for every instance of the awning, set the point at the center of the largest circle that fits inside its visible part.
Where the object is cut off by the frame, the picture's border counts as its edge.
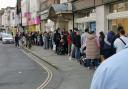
(43, 14)
(118, 15)
(86, 19)
(59, 8)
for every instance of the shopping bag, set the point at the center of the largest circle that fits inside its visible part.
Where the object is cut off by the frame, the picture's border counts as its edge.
(54, 47)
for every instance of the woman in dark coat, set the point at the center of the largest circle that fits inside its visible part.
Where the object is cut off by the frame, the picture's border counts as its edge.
(77, 45)
(101, 40)
(109, 50)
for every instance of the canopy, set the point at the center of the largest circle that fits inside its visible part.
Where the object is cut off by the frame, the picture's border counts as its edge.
(58, 9)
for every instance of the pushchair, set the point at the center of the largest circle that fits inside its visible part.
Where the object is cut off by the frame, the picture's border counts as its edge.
(83, 57)
(61, 50)
(88, 62)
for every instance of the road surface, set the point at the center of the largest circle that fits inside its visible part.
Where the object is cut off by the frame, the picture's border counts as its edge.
(18, 71)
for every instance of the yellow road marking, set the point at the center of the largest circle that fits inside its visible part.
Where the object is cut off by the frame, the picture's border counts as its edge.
(50, 74)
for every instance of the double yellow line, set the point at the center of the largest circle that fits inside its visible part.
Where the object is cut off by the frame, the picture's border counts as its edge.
(50, 74)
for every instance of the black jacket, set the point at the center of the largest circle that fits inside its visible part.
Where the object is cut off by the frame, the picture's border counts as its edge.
(17, 38)
(78, 41)
(57, 38)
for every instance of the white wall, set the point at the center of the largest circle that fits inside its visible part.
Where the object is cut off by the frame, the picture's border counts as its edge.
(101, 18)
(13, 20)
(34, 7)
(70, 25)
(24, 8)
(3, 19)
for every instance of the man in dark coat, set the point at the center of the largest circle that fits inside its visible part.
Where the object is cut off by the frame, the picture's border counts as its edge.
(17, 40)
(57, 39)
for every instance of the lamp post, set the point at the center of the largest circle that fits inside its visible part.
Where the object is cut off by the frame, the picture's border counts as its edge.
(73, 14)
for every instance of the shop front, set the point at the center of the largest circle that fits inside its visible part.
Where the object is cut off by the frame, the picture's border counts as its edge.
(43, 17)
(49, 26)
(61, 15)
(86, 24)
(118, 16)
(34, 25)
(102, 9)
(86, 19)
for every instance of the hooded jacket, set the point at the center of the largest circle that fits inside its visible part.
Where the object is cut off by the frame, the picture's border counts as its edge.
(92, 47)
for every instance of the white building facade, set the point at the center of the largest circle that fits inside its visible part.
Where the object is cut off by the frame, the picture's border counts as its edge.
(24, 10)
(13, 16)
(1, 13)
(9, 21)
(34, 17)
(30, 18)
(6, 19)
(101, 15)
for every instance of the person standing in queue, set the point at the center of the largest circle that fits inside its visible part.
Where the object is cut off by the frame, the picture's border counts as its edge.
(112, 73)
(57, 38)
(121, 42)
(17, 40)
(77, 45)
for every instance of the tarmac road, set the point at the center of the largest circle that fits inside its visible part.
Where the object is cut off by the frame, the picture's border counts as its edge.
(18, 71)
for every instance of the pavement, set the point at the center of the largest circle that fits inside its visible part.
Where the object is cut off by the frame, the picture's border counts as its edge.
(18, 71)
(74, 75)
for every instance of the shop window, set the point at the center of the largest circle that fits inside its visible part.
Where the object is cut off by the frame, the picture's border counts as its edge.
(84, 13)
(119, 7)
(93, 26)
(113, 24)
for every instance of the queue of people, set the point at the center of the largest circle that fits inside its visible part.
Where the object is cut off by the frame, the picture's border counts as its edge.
(111, 47)
(112, 74)
(88, 47)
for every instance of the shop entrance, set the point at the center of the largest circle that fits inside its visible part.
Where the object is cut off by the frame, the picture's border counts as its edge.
(90, 25)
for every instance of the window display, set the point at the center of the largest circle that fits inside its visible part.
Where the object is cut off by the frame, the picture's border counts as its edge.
(113, 24)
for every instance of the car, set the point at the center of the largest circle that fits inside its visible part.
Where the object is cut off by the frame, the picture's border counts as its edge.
(7, 38)
(0, 35)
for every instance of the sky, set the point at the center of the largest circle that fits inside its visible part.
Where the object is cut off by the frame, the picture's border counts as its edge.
(5, 3)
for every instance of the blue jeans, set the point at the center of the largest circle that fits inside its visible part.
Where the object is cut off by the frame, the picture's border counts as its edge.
(77, 53)
(91, 62)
